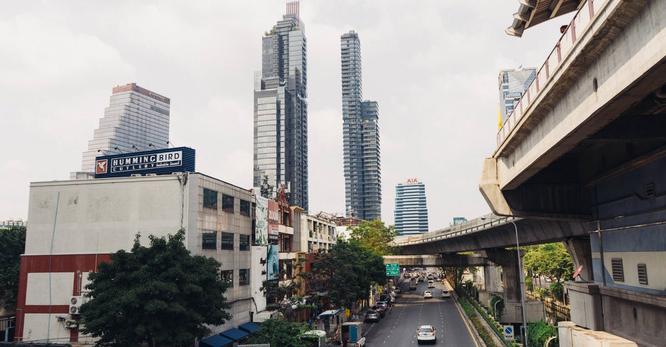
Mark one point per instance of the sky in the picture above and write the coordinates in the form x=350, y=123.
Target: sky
x=432, y=65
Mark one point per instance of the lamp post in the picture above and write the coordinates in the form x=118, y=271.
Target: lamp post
x=523, y=330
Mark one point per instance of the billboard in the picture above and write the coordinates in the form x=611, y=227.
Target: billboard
x=258, y=276
x=159, y=162
x=272, y=263
x=261, y=223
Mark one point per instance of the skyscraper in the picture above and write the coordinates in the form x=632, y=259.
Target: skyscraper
x=411, y=211
x=362, y=164
x=136, y=119
x=512, y=85
x=280, y=109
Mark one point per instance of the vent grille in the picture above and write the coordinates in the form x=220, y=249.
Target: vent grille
x=618, y=269
x=642, y=274
x=650, y=190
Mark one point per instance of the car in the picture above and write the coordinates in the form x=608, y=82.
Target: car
x=426, y=333
x=446, y=294
x=384, y=304
x=427, y=294
x=431, y=284
x=372, y=316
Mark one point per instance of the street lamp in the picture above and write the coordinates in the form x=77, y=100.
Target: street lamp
x=523, y=331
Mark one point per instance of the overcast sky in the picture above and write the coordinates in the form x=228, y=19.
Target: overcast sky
x=432, y=65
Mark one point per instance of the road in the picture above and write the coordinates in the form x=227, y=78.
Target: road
x=399, y=326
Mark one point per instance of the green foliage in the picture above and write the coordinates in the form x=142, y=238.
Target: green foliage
x=557, y=289
x=158, y=295
x=550, y=260
x=529, y=283
x=278, y=332
x=471, y=312
x=375, y=236
x=347, y=271
x=12, y=244
x=538, y=333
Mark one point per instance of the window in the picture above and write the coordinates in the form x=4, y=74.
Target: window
x=244, y=207
x=227, y=203
x=243, y=277
x=209, y=199
x=209, y=240
x=227, y=241
x=642, y=274
x=228, y=277
x=617, y=269
x=244, y=243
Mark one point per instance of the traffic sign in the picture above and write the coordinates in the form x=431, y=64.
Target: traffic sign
x=508, y=332
x=392, y=270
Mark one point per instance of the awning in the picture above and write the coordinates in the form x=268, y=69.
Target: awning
x=250, y=327
x=234, y=334
x=216, y=341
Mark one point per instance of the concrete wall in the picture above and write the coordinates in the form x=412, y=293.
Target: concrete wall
x=101, y=216
x=571, y=335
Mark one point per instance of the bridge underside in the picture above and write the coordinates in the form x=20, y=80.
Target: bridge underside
x=532, y=231
x=436, y=260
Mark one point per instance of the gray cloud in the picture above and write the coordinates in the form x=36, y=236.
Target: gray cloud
x=432, y=65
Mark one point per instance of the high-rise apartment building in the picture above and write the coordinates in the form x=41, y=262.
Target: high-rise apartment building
x=512, y=85
x=280, y=110
x=411, y=211
x=362, y=164
x=137, y=119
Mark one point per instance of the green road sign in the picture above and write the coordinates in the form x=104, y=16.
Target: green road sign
x=392, y=270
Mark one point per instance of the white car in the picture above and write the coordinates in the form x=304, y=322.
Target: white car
x=445, y=294
x=426, y=333
x=427, y=294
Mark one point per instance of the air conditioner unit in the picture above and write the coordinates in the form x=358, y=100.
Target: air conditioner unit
x=71, y=324
x=75, y=303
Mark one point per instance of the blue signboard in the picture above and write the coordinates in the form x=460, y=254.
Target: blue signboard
x=159, y=162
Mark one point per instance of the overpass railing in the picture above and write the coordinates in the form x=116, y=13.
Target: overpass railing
x=580, y=23
x=458, y=231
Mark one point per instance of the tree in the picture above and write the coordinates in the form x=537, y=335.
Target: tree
x=279, y=332
x=347, y=271
x=375, y=236
x=12, y=244
x=549, y=260
x=158, y=295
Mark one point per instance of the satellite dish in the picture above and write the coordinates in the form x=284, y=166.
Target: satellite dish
x=576, y=273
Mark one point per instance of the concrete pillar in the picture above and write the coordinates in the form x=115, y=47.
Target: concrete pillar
x=580, y=250
x=511, y=277
x=492, y=279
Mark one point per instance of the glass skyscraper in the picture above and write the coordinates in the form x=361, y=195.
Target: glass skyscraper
x=362, y=165
x=512, y=85
x=280, y=109
x=137, y=119
x=411, y=211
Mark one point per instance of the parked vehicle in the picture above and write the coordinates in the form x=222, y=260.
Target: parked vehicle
x=427, y=294
x=426, y=333
x=372, y=316
x=380, y=310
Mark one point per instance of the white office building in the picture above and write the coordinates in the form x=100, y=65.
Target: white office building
x=411, y=210
x=136, y=119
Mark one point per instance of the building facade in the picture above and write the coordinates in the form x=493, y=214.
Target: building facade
x=136, y=119
x=280, y=110
x=360, y=128
x=512, y=85
x=77, y=224
x=411, y=210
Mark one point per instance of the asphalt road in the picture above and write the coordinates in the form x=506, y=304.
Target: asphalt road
x=398, y=328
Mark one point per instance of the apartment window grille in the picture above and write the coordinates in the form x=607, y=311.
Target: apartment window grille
x=209, y=199
x=227, y=241
x=244, y=243
x=209, y=240
x=227, y=277
x=243, y=277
